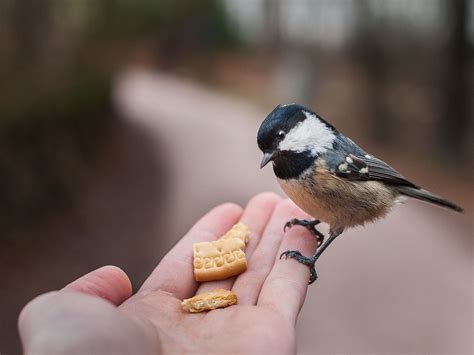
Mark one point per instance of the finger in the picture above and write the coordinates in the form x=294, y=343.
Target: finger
x=108, y=282
x=256, y=215
x=285, y=287
x=175, y=273
x=249, y=284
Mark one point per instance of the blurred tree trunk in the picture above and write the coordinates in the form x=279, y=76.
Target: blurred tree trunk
x=454, y=124
x=295, y=69
x=271, y=24
x=371, y=57
x=32, y=23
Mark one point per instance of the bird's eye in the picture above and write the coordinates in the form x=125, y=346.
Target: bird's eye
x=281, y=135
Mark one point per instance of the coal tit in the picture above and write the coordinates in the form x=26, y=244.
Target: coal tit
x=329, y=176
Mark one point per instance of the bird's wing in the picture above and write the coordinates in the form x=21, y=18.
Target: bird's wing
x=349, y=161
x=379, y=170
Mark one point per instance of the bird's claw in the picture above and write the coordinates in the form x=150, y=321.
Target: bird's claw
x=313, y=276
x=290, y=224
x=296, y=254
x=310, y=225
x=308, y=261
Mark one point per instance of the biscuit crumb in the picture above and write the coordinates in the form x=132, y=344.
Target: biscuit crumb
x=208, y=301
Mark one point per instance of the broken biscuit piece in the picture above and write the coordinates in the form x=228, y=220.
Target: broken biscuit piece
x=219, y=260
x=240, y=231
x=209, y=300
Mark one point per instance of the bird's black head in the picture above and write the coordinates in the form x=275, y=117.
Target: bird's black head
x=292, y=136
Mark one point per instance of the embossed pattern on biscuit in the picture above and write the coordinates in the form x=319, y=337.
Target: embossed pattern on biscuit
x=219, y=259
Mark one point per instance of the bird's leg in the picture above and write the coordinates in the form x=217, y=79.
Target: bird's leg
x=311, y=260
x=310, y=225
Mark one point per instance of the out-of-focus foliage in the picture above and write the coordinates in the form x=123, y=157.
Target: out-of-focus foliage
x=47, y=46
x=57, y=58
x=204, y=20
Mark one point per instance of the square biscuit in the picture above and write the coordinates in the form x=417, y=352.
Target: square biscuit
x=219, y=259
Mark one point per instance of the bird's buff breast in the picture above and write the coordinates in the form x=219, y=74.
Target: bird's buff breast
x=339, y=203
x=304, y=198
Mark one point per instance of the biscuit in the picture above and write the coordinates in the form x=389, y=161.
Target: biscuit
x=209, y=300
x=240, y=231
x=219, y=260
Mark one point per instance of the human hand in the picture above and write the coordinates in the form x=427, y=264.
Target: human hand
x=98, y=314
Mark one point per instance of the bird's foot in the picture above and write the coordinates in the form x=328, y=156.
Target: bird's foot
x=308, y=261
x=301, y=222
x=310, y=225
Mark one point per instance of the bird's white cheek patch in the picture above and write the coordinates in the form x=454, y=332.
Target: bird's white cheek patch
x=310, y=134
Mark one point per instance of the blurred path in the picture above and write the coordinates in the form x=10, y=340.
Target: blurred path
x=209, y=142
x=403, y=285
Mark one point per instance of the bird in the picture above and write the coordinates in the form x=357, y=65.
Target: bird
x=330, y=177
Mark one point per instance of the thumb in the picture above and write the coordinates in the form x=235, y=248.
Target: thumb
x=108, y=282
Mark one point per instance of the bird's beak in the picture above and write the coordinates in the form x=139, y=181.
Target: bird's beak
x=266, y=158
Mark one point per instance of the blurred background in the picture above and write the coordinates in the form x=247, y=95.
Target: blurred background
x=123, y=121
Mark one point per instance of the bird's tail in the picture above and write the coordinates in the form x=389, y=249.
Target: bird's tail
x=427, y=196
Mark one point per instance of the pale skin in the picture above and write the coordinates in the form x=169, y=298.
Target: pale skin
x=98, y=314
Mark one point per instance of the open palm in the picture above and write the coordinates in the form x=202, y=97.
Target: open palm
x=103, y=317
